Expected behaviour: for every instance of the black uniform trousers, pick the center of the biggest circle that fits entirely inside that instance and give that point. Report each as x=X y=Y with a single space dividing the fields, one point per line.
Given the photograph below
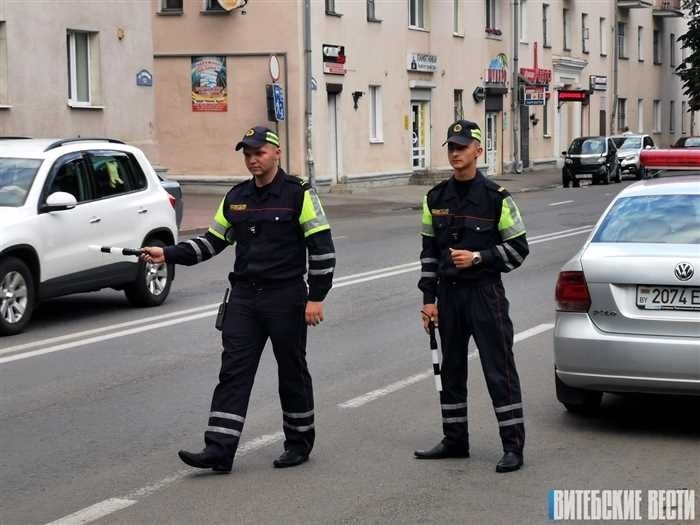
x=478 y=309
x=256 y=312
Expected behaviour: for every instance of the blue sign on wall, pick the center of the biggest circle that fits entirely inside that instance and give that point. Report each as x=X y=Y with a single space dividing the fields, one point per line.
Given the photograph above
x=278 y=101
x=144 y=78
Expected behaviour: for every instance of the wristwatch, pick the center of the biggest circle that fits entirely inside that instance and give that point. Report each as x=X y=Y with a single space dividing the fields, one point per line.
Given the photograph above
x=476 y=259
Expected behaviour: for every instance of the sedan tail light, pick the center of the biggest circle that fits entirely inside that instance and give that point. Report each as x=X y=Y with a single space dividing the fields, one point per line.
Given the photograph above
x=572 y=292
x=173 y=201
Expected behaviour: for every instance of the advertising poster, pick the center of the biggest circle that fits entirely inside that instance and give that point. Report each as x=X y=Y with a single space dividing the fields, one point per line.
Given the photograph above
x=209 y=83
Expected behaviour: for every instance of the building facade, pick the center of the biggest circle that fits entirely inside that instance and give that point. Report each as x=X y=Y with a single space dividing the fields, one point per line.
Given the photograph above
x=73 y=68
x=389 y=76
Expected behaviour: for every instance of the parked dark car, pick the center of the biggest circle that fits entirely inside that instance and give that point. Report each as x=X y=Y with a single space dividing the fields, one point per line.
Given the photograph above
x=687 y=142
x=175 y=191
x=593 y=158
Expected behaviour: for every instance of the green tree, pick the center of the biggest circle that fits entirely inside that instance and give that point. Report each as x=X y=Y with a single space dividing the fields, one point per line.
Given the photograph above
x=689 y=69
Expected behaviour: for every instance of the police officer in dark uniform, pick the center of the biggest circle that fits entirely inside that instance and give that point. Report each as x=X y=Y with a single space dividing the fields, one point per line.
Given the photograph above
x=472 y=232
x=274 y=219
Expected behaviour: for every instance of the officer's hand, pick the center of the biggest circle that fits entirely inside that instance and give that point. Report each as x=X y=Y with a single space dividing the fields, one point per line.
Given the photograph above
x=314 y=313
x=462 y=258
x=153 y=254
x=429 y=313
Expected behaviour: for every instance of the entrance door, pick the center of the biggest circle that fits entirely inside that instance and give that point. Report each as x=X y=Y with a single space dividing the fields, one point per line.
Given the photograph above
x=491 y=144
x=525 y=135
x=420 y=137
x=602 y=125
x=333 y=138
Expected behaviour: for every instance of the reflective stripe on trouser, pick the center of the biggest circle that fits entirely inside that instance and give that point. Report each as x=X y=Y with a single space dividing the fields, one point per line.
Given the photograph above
x=480 y=312
x=253 y=316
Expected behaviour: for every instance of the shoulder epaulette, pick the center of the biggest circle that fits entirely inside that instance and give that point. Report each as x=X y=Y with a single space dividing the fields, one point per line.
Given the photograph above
x=496 y=187
x=438 y=187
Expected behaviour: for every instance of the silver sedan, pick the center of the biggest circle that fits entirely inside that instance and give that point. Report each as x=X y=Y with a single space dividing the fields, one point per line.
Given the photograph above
x=628 y=304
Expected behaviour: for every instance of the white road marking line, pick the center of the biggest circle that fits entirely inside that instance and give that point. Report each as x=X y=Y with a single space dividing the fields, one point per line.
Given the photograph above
x=393 y=387
x=559 y=203
x=108 y=506
x=76 y=335
x=340 y=282
x=335 y=237
x=95 y=512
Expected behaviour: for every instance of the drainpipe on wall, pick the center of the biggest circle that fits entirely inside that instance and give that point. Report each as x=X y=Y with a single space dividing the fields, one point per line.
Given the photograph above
x=308 y=142
x=515 y=92
x=616 y=61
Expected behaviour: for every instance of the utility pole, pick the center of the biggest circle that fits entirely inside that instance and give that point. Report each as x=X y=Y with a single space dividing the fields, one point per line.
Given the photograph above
x=616 y=63
x=515 y=90
x=308 y=122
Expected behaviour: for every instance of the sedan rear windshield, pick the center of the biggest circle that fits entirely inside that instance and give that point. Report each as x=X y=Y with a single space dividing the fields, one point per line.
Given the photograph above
x=16 y=177
x=587 y=146
x=664 y=219
x=632 y=143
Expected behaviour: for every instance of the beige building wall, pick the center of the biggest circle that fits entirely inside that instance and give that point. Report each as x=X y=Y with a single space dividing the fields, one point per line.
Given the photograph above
x=201 y=143
x=34 y=75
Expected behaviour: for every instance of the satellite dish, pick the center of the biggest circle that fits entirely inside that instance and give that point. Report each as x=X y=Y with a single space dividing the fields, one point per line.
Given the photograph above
x=230 y=5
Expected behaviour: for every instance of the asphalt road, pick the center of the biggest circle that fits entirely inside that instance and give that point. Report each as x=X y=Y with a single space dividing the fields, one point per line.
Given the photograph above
x=96 y=398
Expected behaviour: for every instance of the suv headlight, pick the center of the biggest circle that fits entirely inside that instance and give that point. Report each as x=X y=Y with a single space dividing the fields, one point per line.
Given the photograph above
x=601 y=160
x=568 y=161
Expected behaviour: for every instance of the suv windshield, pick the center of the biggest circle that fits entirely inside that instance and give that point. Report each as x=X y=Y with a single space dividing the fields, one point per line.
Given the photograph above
x=664 y=219
x=16 y=177
x=632 y=143
x=589 y=146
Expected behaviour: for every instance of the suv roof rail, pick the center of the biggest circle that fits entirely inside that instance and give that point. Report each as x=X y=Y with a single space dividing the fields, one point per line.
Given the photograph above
x=63 y=142
x=13 y=138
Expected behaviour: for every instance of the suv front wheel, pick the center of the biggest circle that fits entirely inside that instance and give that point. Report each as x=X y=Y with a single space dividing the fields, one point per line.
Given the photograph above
x=17 y=297
x=152 y=284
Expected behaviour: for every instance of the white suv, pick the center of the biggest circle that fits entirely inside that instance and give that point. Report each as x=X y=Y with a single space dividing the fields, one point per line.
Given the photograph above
x=59 y=197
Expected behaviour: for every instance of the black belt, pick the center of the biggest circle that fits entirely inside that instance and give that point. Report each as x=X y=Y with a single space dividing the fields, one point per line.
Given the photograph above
x=263 y=284
x=456 y=282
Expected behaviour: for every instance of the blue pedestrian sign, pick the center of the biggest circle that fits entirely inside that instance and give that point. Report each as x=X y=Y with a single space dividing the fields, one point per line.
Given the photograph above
x=278 y=101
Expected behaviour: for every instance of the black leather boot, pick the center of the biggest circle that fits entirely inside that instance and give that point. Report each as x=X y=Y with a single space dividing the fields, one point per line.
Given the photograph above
x=442 y=451
x=290 y=458
x=509 y=462
x=207 y=458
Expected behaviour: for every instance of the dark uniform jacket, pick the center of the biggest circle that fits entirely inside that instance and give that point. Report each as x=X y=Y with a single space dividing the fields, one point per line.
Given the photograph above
x=485 y=220
x=272 y=231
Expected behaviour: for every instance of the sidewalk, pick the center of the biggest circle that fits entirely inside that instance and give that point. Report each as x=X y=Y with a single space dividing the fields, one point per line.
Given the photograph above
x=200 y=206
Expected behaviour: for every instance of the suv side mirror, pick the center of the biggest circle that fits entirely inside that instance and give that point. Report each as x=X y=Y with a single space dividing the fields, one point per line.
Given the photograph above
x=59 y=201
x=563 y=153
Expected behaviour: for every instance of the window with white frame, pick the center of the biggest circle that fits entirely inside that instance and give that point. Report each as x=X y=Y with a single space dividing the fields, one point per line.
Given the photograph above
x=171 y=6
x=657 y=47
x=640 y=43
x=376 y=133
x=621 y=114
x=80 y=72
x=585 y=34
x=3 y=64
x=672 y=49
x=416 y=13
x=457 y=16
x=458 y=105
x=566 y=23
x=657 y=116
x=545 y=26
x=640 y=115
x=683 y=111
x=603 y=31
x=491 y=22
x=621 y=39
x=522 y=20
x=672 y=116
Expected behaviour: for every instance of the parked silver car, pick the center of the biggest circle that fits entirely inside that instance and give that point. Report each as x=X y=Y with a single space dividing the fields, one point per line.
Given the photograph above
x=628 y=304
x=629 y=148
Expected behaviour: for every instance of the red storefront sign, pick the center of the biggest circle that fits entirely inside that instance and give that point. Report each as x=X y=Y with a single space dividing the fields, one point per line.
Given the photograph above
x=573 y=95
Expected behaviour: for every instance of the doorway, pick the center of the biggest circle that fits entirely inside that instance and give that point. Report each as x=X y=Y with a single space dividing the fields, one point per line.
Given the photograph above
x=333 y=138
x=491 y=143
x=420 y=136
x=525 y=136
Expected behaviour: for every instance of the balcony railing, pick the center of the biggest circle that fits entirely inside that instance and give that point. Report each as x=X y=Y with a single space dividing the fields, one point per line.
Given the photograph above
x=667 y=8
x=634 y=4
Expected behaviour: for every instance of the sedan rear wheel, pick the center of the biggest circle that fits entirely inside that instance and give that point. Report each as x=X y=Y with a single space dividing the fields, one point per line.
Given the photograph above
x=17 y=297
x=577 y=400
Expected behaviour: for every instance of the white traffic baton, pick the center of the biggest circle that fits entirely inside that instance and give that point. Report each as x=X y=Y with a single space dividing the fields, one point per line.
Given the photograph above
x=117 y=251
x=436 y=357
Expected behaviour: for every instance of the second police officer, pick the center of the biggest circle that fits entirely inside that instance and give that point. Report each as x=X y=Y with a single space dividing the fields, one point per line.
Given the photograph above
x=274 y=219
x=472 y=232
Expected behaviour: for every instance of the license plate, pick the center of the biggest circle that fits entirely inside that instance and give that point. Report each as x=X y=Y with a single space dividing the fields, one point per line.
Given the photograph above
x=668 y=298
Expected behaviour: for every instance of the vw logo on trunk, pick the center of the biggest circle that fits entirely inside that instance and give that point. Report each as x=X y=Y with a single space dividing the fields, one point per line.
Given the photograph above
x=684 y=271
